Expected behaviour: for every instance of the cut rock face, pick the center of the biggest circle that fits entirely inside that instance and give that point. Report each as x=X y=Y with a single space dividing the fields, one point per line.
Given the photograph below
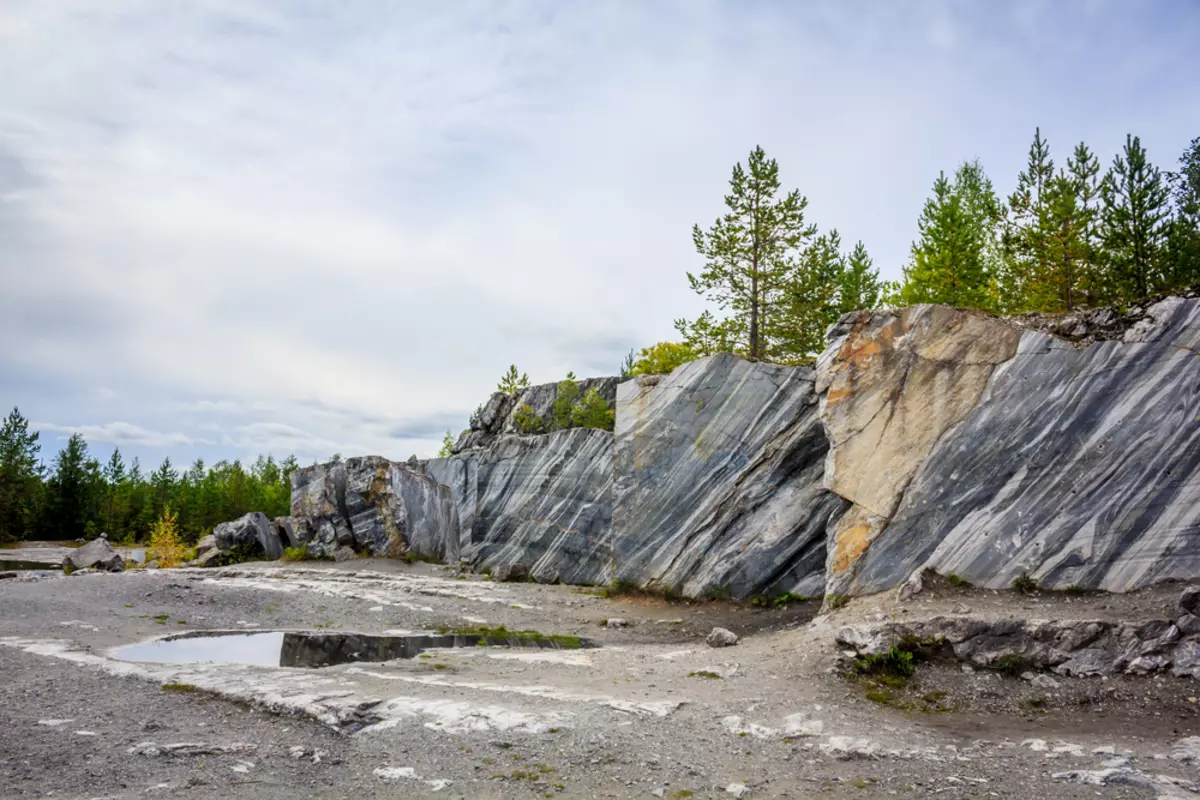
x=371 y=505
x=544 y=502
x=718 y=481
x=974 y=446
x=253 y=530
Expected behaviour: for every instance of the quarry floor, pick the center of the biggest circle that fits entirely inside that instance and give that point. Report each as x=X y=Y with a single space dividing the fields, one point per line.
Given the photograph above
x=628 y=718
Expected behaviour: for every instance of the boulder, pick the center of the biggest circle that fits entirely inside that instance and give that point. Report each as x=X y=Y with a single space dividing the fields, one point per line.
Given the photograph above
x=97 y=554
x=721 y=637
x=1189 y=601
x=205 y=544
x=506 y=573
x=252 y=530
x=293 y=531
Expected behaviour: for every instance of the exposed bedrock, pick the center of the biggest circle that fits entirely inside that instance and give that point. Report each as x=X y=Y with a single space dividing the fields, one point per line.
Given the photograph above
x=541 y=501
x=718 y=480
x=977 y=446
x=374 y=506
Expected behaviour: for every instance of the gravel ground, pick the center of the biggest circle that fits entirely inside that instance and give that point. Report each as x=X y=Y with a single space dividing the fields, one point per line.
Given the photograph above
x=630 y=718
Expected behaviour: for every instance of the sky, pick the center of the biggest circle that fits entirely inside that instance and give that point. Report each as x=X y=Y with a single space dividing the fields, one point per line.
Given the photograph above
x=232 y=228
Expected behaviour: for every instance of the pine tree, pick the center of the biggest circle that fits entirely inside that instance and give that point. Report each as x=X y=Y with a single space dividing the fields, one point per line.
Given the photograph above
x=562 y=412
x=70 y=510
x=20 y=477
x=860 y=286
x=1026 y=265
x=1183 y=240
x=662 y=358
x=747 y=250
x=513 y=382
x=163 y=481
x=954 y=259
x=447 y=446
x=1094 y=285
x=114 y=479
x=592 y=411
x=1133 y=222
x=812 y=289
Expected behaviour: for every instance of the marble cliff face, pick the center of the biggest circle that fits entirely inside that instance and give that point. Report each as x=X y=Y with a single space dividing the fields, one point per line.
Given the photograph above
x=1066 y=447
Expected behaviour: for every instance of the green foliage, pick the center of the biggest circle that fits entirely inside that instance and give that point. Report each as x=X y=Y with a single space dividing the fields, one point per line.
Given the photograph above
x=562 y=412
x=896 y=662
x=166 y=547
x=1024 y=584
x=512 y=381
x=835 y=601
x=954 y=258
x=20 y=477
x=956 y=580
x=1011 y=664
x=592 y=411
x=662 y=358
x=627 y=365
x=302 y=553
x=447 y=449
x=860 y=285
x=1182 y=268
x=705 y=673
x=526 y=420
x=1133 y=221
x=778 y=601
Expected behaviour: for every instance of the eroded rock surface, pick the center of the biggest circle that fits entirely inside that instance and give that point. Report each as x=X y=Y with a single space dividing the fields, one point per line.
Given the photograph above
x=97 y=554
x=718 y=480
x=976 y=447
x=372 y=505
x=541 y=501
x=252 y=530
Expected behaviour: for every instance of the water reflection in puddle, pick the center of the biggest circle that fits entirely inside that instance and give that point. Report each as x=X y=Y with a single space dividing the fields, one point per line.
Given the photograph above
x=288 y=649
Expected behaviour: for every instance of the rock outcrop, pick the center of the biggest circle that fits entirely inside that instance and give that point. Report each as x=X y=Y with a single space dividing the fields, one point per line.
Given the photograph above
x=718 y=481
x=97 y=554
x=254 y=531
x=495 y=418
x=982 y=447
x=374 y=506
x=542 y=501
x=1067 y=647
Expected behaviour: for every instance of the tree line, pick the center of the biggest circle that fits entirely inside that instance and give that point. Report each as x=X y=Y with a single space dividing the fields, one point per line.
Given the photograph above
x=1065 y=239
x=78 y=496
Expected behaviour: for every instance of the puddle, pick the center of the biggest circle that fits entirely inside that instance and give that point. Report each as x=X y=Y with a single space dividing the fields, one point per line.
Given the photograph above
x=303 y=649
x=6 y=566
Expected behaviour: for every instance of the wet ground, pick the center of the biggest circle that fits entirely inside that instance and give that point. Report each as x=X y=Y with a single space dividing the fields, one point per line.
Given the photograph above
x=407 y=681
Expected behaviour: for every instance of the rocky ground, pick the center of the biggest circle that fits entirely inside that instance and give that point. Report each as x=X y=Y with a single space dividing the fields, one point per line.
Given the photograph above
x=652 y=711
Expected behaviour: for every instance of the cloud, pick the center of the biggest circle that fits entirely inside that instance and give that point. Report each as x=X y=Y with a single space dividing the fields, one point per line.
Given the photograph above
x=332 y=228
x=122 y=433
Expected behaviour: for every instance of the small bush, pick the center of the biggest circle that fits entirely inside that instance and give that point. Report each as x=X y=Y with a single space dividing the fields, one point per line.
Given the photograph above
x=720 y=592
x=1075 y=589
x=1024 y=584
x=835 y=601
x=705 y=673
x=302 y=553
x=895 y=662
x=957 y=580
x=165 y=545
x=526 y=421
x=1011 y=664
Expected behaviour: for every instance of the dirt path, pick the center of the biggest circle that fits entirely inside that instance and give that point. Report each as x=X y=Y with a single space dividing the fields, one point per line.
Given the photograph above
x=641 y=715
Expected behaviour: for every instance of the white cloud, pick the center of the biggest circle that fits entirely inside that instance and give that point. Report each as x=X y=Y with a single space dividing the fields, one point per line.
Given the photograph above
x=122 y=433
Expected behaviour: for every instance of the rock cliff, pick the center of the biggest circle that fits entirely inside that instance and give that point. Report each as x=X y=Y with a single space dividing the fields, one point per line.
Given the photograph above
x=495 y=418
x=542 y=501
x=718 y=481
x=987 y=448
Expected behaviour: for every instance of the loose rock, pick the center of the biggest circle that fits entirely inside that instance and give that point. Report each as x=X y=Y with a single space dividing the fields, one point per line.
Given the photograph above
x=721 y=637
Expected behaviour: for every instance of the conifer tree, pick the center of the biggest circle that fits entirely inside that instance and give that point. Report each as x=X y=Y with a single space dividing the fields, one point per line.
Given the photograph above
x=748 y=251
x=1026 y=268
x=1094 y=285
x=813 y=290
x=592 y=412
x=447 y=446
x=20 y=477
x=1133 y=222
x=513 y=382
x=860 y=286
x=562 y=412
x=70 y=510
x=1183 y=240
x=953 y=260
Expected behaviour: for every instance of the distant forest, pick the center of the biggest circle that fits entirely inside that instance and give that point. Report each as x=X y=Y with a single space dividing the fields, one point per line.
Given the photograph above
x=1068 y=237
x=80 y=497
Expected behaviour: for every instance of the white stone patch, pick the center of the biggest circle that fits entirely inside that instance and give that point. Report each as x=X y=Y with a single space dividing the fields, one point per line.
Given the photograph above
x=54 y=723
x=734 y=725
x=545 y=657
x=243 y=767
x=802 y=724
x=77 y=623
x=659 y=708
x=456 y=716
x=475 y=620
x=674 y=654
x=86 y=733
x=1187 y=749
x=398 y=773
x=1165 y=787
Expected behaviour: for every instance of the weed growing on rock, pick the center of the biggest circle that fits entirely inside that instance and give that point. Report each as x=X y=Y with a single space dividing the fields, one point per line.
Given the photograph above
x=1024 y=584
x=895 y=663
x=835 y=601
x=704 y=673
x=302 y=553
x=957 y=580
x=1011 y=664
x=181 y=688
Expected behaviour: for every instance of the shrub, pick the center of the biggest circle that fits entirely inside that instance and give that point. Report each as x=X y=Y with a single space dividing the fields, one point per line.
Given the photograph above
x=526 y=420
x=1024 y=584
x=593 y=412
x=956 y=580
x=447 y=446
x=896 y=662
x=562 y=413
x=661 y=358
x=165 y=545
x=302 y=553
x=835 y=601
x=1011 y=664
x=513 y=382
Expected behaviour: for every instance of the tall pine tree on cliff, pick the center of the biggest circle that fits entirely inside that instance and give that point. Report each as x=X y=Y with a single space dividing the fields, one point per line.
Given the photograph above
x=750 y=250
x=1134 y=221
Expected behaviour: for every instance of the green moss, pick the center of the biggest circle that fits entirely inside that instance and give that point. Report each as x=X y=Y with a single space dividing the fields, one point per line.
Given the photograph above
x=704 y=673
x=182 y=688
x=896 y=663
x=835 y=601
x=881 y=696
x=1075 y=589
x=302 y=553
x=1011 y=664
x=955 y=580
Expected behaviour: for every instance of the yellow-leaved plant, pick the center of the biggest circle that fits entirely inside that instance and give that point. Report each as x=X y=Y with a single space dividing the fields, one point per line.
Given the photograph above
x=165 y=545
